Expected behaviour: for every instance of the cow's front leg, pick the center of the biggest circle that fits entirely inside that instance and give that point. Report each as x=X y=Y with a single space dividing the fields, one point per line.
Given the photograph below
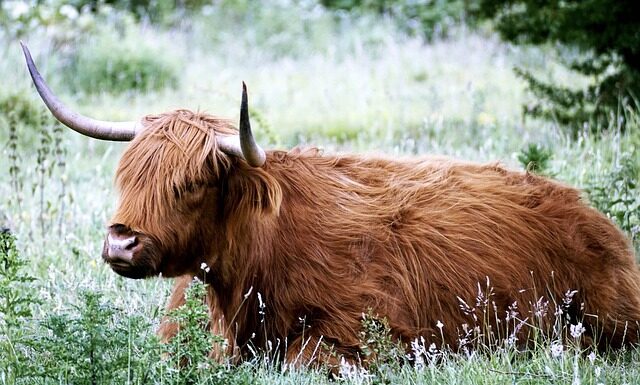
x=216 y=324
x=169 y=329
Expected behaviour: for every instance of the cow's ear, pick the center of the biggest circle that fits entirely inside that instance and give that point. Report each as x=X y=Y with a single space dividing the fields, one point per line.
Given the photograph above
x=251 y=191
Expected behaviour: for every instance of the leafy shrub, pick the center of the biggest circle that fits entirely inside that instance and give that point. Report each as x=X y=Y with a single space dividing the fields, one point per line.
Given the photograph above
x=116 y=64
x=17 y=17
x=535 y=158
x=157 y=11
x=94 y=344
x=383 y=355
x=605 y=31
x=427 y=18
x=16 y=301
x=278 y=28
x=32 y=129
x=617 y=195
x=16 y=295
x=188 y=351
x=19 y=113
x=20 y=108
x=20 y=17
x=97 y=343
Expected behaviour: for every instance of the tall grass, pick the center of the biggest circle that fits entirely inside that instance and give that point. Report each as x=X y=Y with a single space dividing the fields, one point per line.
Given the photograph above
x=341 y=83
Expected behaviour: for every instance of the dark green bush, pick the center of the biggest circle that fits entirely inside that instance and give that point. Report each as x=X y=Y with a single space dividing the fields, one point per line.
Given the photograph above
x=17 y=298
x=535 y=158
x=382 y=354
x=189 y=360
x=116 y=64
x=617 y=194
x=94 y=343
x=16 y=293
x=426 y=18
x=157 y=11
x=606 y=34
x=21 y=108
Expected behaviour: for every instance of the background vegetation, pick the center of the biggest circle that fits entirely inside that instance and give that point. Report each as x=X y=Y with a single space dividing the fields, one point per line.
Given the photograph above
x=399 y=78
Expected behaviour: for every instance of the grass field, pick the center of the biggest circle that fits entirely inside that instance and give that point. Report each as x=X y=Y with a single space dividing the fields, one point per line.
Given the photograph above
x=342 y=84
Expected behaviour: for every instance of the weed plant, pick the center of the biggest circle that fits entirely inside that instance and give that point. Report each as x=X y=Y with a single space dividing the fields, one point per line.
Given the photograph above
x=535 y=158
x=616 y=194
x=188 y=359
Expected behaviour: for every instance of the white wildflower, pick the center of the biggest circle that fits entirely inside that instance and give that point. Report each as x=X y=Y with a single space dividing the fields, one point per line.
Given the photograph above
x=439 y=325
x=261 y=306
x=568 y=297
x=513 y=337
x=68 y=11
x=346 y=369
x=419 y=363
x=577 y=330
x=592 y=357
x=246 y=295
x=482 y=301
x=558 y=312
x=466 y=309
x=419 y=353
x=260 y=302
x=17 y=8
x=597 y=371
x=512 y=311
x=540 y=308
x=352 y=372
x=203 y=266
x=556 y=349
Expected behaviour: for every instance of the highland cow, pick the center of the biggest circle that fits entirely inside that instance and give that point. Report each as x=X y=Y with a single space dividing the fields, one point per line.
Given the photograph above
x=298 y=245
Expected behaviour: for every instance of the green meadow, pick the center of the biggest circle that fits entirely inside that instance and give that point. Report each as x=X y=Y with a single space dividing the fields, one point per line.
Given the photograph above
x=341 y=82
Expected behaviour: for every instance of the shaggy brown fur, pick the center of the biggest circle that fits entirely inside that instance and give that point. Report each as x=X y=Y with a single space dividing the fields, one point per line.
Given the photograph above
x=325 y=238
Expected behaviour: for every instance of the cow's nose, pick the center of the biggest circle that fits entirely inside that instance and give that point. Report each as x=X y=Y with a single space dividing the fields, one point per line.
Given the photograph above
x=121 y=247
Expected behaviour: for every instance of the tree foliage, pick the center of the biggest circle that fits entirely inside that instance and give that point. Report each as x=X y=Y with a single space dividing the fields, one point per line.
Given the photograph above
x=604 y=31
x=430 y=19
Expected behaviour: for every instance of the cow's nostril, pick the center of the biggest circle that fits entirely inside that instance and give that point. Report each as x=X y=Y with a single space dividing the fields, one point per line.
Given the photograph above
x=121 y=248
x=132 y=242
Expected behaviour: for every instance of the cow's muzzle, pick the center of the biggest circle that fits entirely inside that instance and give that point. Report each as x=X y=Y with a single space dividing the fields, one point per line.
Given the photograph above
x=122 y=248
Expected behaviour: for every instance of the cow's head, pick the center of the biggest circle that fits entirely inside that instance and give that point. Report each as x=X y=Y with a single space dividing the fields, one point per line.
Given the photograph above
x=170 y=180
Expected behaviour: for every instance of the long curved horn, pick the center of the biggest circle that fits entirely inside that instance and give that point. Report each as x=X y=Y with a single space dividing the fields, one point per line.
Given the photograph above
x=243 y=146
x=99 y=129
x=252 y=152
